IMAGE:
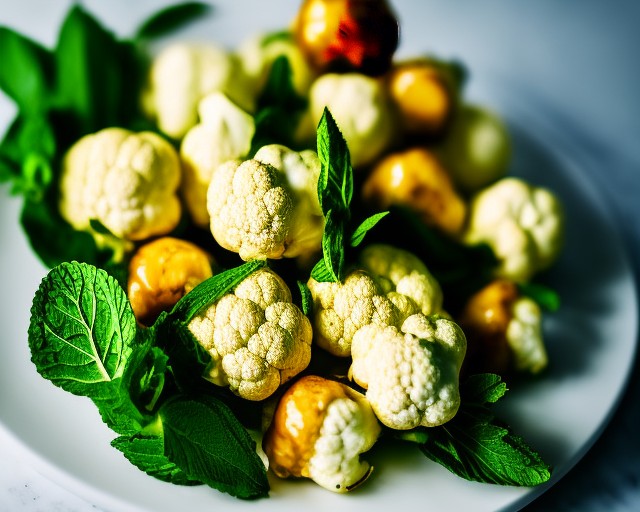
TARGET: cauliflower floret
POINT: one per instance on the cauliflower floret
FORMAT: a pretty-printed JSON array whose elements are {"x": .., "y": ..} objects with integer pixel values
[
  {"x": 524, "y": 336},
  {"x": 403, "y": 272},
  {"x": 388, "y": 286},
  {"x": 361, "y": 109},
  {"x": 126, "y": 181},
  {"x": 182, "y": 74},
  {"x": 224, "y": 133},
  {"x": 411, "y": 373},
  {"x": 504, "y": 331},
  {"x": 257, "y": 338},
  {"x": 319, "y": 429},
  {"x": 302, "y": 171},
  {"x": 265, "y": 207},
  {"x": 523, "y": 224}
]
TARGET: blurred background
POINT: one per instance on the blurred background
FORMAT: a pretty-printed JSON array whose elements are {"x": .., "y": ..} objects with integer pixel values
[{"x": 576, "y": 57}]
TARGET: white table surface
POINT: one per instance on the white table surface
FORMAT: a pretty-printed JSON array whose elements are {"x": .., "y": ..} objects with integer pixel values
[{"x": 581, "y": 57}]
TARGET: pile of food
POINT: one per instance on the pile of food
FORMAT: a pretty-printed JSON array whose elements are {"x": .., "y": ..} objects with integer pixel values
[{"x": 302, "y": 241}]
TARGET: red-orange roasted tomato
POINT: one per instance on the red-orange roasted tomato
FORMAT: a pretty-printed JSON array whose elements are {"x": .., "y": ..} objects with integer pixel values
[{"x": 347, "y": 35}]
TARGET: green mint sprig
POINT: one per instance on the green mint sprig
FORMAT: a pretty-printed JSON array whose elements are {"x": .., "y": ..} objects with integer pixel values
[
  {"x": 335, "y": 191},
  {"x": 84, "y": 338},
  {"x": 476, "y": 446}
]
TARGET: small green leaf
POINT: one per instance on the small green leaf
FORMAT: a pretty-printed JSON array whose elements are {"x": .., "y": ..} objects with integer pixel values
[
  {"x": 210, "y": 290},
  {"x": 335, "y": 184},
  {"x": 99, "y": 227},
  {"x": 147, "y": 454},
  {"x": 25, "y": 72},
  {"x": 306, "y": 298},
  {"x": 171, "y": 18},
  {"x": 542, "y": 295},
  {"x": 204, "y": 439},
  {"x": 333, "y": 245},
  {"x": 321, "y": 273},
  {"x": 82, "y": 328},
  {"x": 279, "y": 108},
  {"x": 145, "y": 374},
  {"x": 483, "y": 388},
  {"x": 359, "y": 233}
]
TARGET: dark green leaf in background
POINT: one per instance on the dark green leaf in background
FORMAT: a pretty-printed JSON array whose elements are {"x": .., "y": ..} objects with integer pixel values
[
  {"x": 89, "y": 79},
  {"x": 171, "y": 18},
  {"x": 25, "y": 72},
  {"x": 369, "y": 223}
]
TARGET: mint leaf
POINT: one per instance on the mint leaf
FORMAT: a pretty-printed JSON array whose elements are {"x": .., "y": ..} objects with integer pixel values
[
  {"x": 369, "y": 223},
  {"x": 147, "y": 454},
  {"x": 82, "y": 328},
  {"x": 335, "y": 183},
  {"x": 279, "y": 108},
  {"x": 210, "y": 290},
  {"x": 97, "y": 77},
  {"x": 28, "y": 148},
  {"x": 476, "y": 446},
  {"x": 306, "y": 298},
  {"x": 483, "y": 388},
  {"x": 205, "y": 440},
  {"x": 321, "y": 273},
  {"x": 333, "y": 245},
  {"x": 542, "y": 295},
  {"x": 171, "y": 18},
  {"x": 187, "y": 358},
  {"x": 144, "y": 377},
  {"x": 25, "y": 73}
]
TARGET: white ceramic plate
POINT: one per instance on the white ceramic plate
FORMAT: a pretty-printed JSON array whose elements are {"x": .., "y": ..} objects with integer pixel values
[{"x": 591, "y": 341}]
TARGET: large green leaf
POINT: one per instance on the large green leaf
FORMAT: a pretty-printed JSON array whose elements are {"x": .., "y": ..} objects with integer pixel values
[
  {"x": 89, "y": 81},
  {"x": 82, "y": 329},
  {"x": 204, "y": 439},
  {"x": 147, "y": 454},
  {"x": 25, "y": 70}
]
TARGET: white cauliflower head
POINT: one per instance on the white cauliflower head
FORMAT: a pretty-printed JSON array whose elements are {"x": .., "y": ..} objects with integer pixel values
[
  {"x": 126, "y": 181},
  {"x": 319, "y": 429},
  {"x": 503, "y": 330},
  {"x": 263, "y": 207},
  {"x": 224, "y": 133},
  {"x": 302, "y": 171},
  {"x": 257, "y": 338},
  {"x": 389, "y": 285},
  {"x": 523, "y": 224},
  {"x": 182, "y": 74},
  {"x": 524, "y": 337},
  {"x": 410, "y": 374},
  {"x": 361, "y": 109}
]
